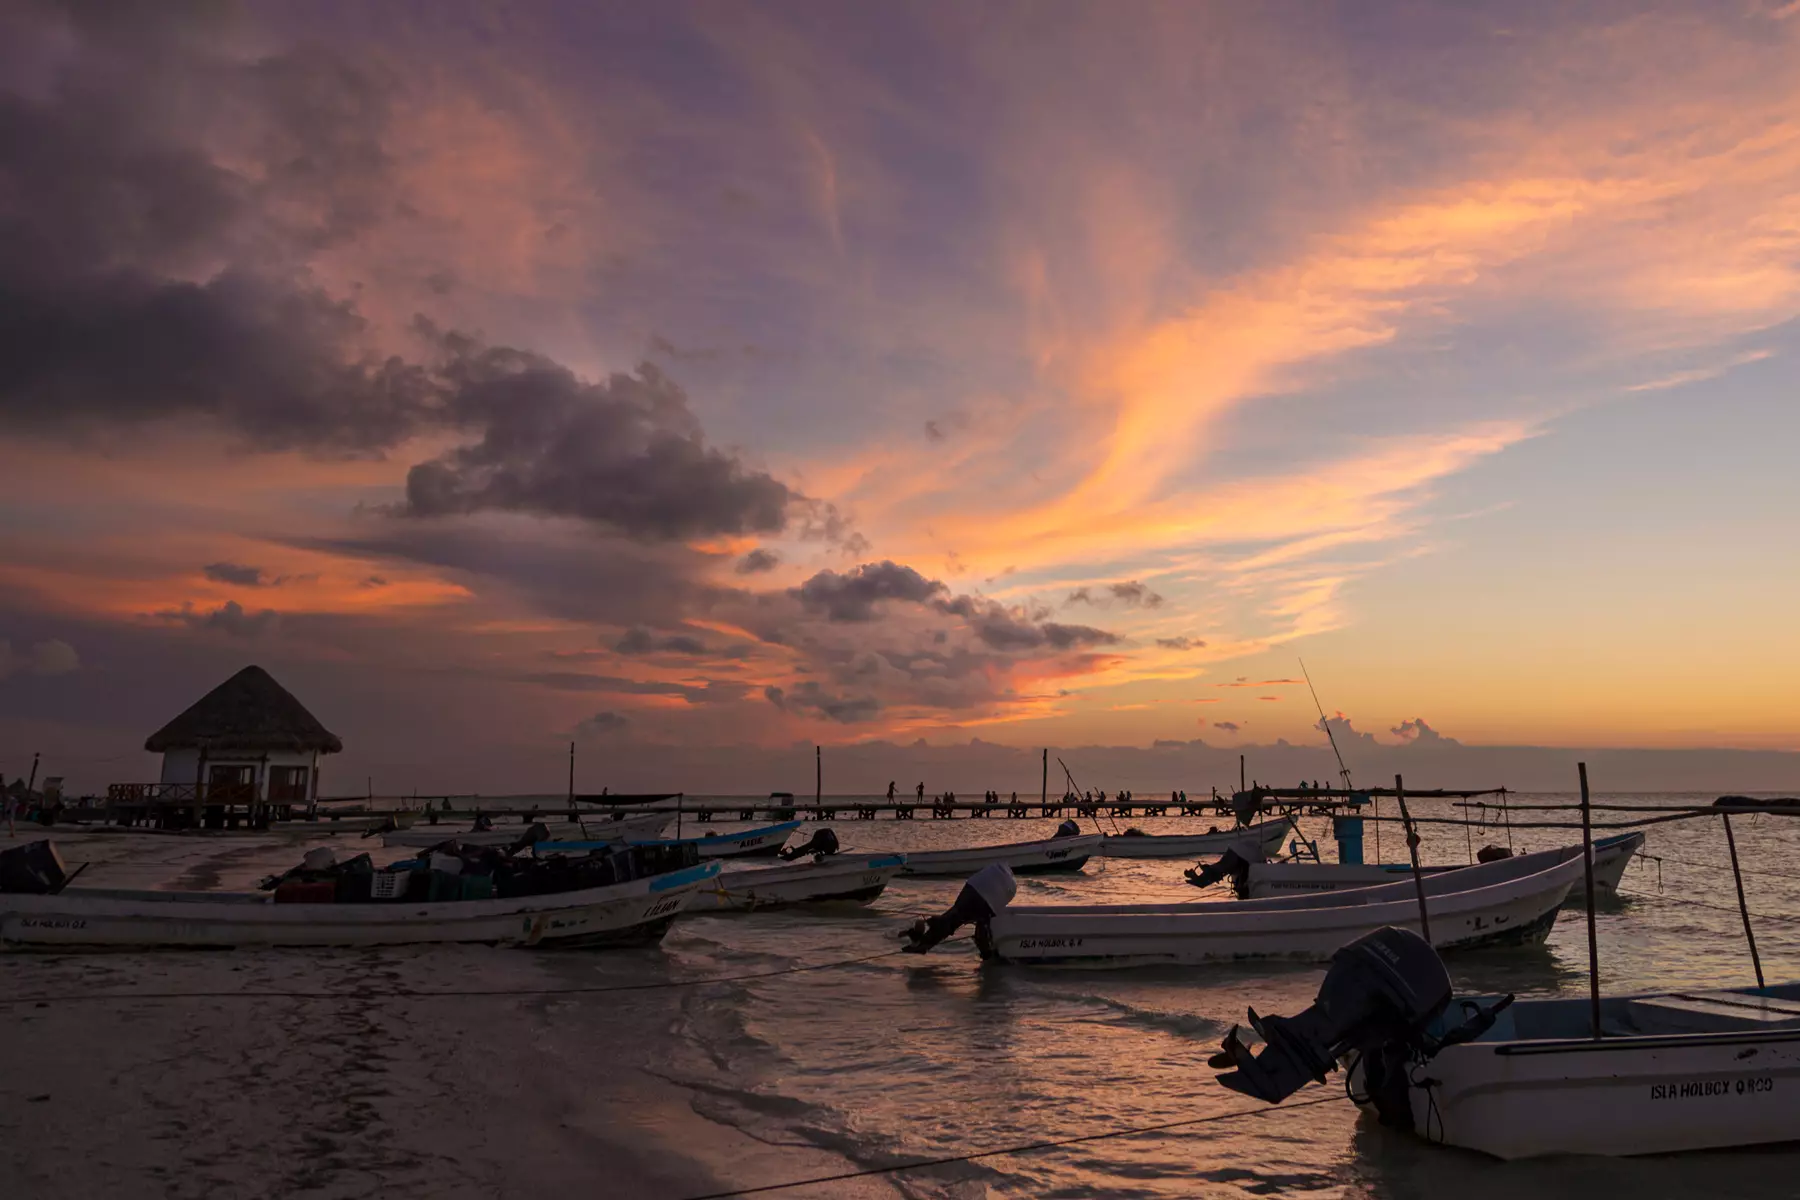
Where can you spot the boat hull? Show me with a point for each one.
(1267, 836)
(831, 881)
(1508, 913)
(1025, 858)
(1625, 1096)
(634, 913)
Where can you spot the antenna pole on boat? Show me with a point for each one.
(1743, 908)
(1412, 846)
(1587, 859)
(1044, 795)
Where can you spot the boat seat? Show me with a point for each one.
(1708, 1013)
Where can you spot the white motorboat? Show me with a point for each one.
(1025, 858)
(763, 842)
(1691, 1070)
(599, 830)
(1265, 837)
(1510, 902)
(626, 914)
(1611, 856)
(1698, 1069)
(852, 879)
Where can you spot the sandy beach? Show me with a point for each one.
(239, 1094)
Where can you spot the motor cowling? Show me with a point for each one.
(1381, 994)
(821, 843)
(1229, 865)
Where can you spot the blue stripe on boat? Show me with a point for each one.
(716, 839)
(685, 876)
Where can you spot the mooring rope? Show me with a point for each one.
(1030, 1147)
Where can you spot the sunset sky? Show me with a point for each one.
(712, 374)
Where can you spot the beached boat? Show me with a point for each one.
(1697, 1069)
(627, 914)
(763, 842)
(852, 879)
(1266, 837)
(1025, 858)
(1690, 1070)
(599, 830)
(1611, 856)
(1510, 902)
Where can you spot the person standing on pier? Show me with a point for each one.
(891, 790)
(921, 792)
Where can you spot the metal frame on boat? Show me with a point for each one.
(1265, 879)
(601, 830)
(635, 913)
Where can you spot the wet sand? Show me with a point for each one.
(234, 1095)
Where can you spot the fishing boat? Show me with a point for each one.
(1692, 1070)
(856, 880)
(1511, 902)
(1265, 837)
(1025, 858)
(1263, 879)
(635, 913)
(598, 830)
(1697, 1069)
(763, 842)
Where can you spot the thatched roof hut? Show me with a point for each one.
(248, 712)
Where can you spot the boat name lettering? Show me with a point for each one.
(52, 923)
(1050, 943)
(1702, 1089)
(662, 907)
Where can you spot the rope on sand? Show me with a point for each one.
(920, 1163)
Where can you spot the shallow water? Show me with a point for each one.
(911, 1058)
(905, 1057)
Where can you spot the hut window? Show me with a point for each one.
(287, 784)
(225, 780)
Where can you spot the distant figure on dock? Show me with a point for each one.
(921, 792)
(891, 790)
(1015, 798)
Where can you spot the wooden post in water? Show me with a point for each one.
(1044, 794)
(1241, 786)
(571, 776)
(1743, 907)
(680, 803)
(1412, 846)
(818, 777)
(1587, 859)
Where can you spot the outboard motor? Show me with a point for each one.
(537, 832)
(1229, 865)
(821, 843)
(1488, 854)
(1383, 990)
(987, 892)
(1067, 829)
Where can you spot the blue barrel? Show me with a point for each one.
(1349, 834)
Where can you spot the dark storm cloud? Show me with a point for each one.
(854, 595)
(144, 280)
(158, 266)
(758, 561)
(626, 453)
(639, 640)
(811, 697)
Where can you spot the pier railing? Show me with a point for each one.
(181, 793)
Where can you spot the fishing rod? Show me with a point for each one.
(1343, 771)
(1076, 789)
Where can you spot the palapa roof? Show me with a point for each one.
(249, 711)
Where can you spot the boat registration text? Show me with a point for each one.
(1702, 1089)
